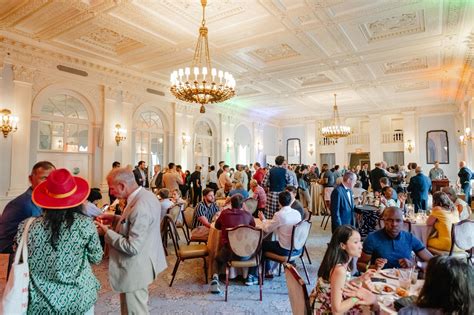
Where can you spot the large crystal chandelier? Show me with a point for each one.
(336, 129)
(201, 83)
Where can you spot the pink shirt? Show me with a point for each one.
(261, 197)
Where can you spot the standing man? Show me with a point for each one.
(140, 173)
(212, 178)
(375, 175)
(259, 173)
(364, 176)
(136, 251)
(156, 180)
(436, 172)
(465, 175)
(419, 187)
(224, 178)
(275, 181)
(195, 180)
(172, 179)
(342, 202)
(220, 171)
(22, 208)
(115, 164)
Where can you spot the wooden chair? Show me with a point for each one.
(244, 241)
(327, 212)
(307, 216)
(250, 205)
(299, 236)
(297, 291)
(462, 235)
(185, 252)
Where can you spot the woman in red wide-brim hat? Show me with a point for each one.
(62, 245)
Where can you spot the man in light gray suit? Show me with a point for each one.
(136, 254)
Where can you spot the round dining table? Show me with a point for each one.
(421, 230)
(316, 198)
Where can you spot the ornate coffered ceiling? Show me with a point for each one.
(288, 56)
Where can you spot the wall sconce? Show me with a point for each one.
(410, 146)
(185, 139)
(463, 139)
(228, 144)
(259, 147)
(311, 149)
(9, 122)
(120, 134)
(160, 140)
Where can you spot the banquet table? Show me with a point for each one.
(386, 301)
(421, 231)
(213, 244)
(317, 200)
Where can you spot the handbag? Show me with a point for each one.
(15, 296)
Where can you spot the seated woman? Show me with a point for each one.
(387, 199)
(462, 206)
(239, 189)
(335, 292)
(448, 287)
(443, 215)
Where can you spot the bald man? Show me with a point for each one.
(419, 187)
(465, 175)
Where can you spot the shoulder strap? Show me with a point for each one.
(22, 250)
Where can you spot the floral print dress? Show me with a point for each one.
(320, 298)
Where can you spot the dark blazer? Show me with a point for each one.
(419, 187)
(342, 209)
(139, 179)
(364, 178)
(375, 175)
(465, 176)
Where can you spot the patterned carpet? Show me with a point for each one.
(189, 294)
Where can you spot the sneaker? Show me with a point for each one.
(214, 286)
(251, 280)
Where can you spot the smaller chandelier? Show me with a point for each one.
(205, 84)
(336, 130)
(119, 134)
(9, 122)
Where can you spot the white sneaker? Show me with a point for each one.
(214, 285)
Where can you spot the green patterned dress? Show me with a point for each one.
(61, 281)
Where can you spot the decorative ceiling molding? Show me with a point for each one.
(412, 86)
(411, 64)
(273, 53)
(394, 26)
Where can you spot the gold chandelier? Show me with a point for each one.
(336, 130)
(9, 122)
(205, 84)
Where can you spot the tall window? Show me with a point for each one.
(149, 139)
(64, 125)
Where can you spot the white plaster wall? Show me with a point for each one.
(270, 140)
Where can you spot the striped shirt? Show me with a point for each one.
(204, 210)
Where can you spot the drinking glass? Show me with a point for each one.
(414, 276)
(404, 280)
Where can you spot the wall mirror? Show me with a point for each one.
(293, 151)
(437, 147)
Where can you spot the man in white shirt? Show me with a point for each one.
(282, 225)
(165, 201)
(212, 178)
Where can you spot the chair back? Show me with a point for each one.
(245, 240)
(300, 234)
(170, 226)
(462, 235)
(250, 205)
(174, 212)
(188, 216)
(297, 291)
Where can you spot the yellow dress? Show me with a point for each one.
(444, 220)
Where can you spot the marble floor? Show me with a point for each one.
(190, 295)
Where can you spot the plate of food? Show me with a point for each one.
(383, 288)
(401, 292)
(390, 273)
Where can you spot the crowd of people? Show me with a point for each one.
(67, 216)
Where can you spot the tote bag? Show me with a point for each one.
(15, 296)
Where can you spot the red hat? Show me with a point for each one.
(61, 190)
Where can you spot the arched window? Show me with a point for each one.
(64, 125)
(149, 138)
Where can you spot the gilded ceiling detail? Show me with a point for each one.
(277, 52)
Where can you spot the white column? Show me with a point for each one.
(375, 140)
(112, 116)
(410, 135)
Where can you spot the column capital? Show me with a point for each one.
(23, 74)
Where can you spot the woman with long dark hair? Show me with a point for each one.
(448, 289)
(335, 292)
(442, 217)
(62, 244)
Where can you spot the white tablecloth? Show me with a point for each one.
(315, 191)
(389, 310)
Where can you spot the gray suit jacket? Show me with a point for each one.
(136, 253)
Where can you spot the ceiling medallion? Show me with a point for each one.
(336, 129)
(206, 84)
